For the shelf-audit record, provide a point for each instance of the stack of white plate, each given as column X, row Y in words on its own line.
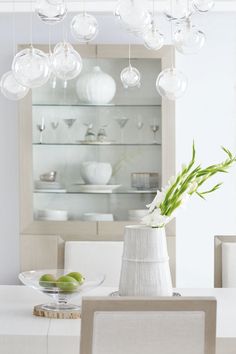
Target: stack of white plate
column 50, row 214
column 97, row 217
column 52, row 186
column 136, row 214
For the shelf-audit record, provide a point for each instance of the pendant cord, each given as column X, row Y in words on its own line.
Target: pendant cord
column 84, row 12
column 31, row 23
column 14, row 27
column 50, row 40
column 129, row 54
column 172, row 36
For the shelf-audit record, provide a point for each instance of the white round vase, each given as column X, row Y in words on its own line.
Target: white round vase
column 96, row 172
column 96, row 87
column 145, row 265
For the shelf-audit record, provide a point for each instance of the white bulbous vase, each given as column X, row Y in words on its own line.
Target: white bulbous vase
column 145, row 264
column 96, row 87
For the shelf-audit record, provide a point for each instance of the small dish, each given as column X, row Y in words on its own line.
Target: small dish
column 50, row 214
column 97, row 188
column 95, row 142
column 47, row 185
column 97, row 217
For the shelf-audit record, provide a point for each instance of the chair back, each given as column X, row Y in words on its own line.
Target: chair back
column 93, row 257
column 225, row 262
column 148, row 325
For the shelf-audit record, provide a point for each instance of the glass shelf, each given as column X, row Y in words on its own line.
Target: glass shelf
column 93, row 105
column 74, row 191
column 97, row 144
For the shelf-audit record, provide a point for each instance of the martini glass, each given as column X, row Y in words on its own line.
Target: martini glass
column 69, row 122
column 41, row 127
column 139, row 126
column 122, row 121
column 154, row 127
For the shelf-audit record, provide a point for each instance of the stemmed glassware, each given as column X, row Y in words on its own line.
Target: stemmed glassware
column 154, row 127
column 54, row 125
column 139, row 125
column 69, row 122
column 122, row 121
column 41, row 127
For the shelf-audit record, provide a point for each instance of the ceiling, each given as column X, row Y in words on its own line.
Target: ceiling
column 104, row 6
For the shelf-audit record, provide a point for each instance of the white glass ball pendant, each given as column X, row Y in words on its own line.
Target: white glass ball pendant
column 189, row 39
column 61, row 46
column 51, row 12
column 11, row 89
column 67, row 63
column 178, row 10
column 153, row 39
column 130, row 77
column 31, row 67
column 134, row 15
column 84, row 27
column 171, row 84
column 203, row 5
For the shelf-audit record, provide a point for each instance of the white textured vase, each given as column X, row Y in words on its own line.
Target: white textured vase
column 145, row 265
column 96, row 87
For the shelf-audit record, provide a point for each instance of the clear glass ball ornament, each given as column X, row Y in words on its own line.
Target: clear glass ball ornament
column 134, row 15
column 67, row 63
column 84, row 27
column 178, row 10
column 11, row 89
column 31, row 67
column 203, row 5
column 171, row 84
column 130, row 77
column 188, row 39
column 61, row 47
column 50, row 12
column 153, row 39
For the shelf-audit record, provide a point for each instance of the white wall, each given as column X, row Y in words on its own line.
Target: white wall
column 207, row 113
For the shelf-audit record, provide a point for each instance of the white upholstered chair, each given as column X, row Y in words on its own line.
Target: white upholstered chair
column 91, row 257
column 148, row 326
column 225, row 261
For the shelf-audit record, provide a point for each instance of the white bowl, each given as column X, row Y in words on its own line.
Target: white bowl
column 50, row 214
column 97, row 217
column 137, row 214
column 96, row 172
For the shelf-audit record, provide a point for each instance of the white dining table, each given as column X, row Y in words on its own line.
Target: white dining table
column 23, row 333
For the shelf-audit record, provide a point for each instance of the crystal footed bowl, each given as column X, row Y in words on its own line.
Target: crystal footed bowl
column 60, row 286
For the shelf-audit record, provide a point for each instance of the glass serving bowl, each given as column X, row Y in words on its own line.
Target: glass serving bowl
column 60, row 292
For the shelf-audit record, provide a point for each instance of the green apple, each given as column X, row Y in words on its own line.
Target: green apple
column 77, row 276
column 47, row 281
column 67, row 283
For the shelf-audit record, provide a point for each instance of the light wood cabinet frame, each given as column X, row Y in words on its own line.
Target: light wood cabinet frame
column 79, row 230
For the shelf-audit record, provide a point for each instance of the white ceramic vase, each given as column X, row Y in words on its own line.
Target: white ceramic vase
column 145, row 265
column 96, row 87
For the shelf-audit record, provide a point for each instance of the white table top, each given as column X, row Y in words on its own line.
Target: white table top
column 18, row 327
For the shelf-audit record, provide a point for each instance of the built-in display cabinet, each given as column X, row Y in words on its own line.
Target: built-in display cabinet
column 133, row 135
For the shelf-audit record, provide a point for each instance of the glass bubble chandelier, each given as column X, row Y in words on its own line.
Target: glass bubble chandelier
column 32, row 67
